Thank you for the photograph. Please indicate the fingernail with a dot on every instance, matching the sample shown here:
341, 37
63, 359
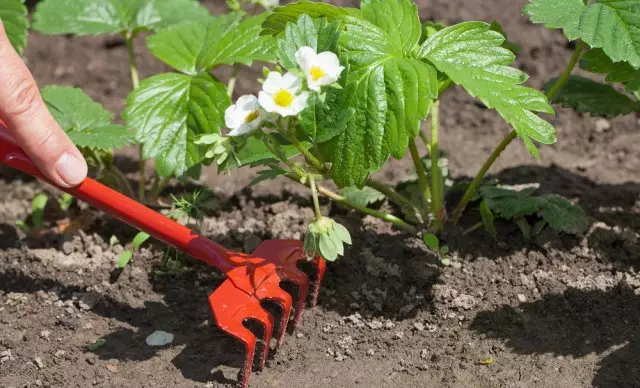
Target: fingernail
71, 169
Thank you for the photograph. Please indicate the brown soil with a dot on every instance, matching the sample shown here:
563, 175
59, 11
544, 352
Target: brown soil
562, 312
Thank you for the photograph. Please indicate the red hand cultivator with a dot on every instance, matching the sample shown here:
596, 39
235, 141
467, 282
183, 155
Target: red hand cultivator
251, 279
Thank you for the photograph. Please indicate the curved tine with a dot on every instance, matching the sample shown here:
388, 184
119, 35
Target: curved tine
261, 315
321, 268
229, 306
283, 299
301, 280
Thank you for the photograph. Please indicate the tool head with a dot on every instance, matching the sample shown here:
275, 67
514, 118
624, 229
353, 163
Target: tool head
257, 278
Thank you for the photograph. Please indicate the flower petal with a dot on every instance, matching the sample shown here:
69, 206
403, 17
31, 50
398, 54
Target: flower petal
231, 117
242, 130
292, 83
267, 103
305, 57
273, 83
248, 102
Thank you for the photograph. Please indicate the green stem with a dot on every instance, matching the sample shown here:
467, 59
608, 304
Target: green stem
422, 179
401, 224
437, 191
232, 82
551, 95
390, 193
314, 194
127, 185
135, 81
564, 77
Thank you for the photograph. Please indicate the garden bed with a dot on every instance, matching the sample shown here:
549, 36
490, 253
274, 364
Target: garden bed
561, 312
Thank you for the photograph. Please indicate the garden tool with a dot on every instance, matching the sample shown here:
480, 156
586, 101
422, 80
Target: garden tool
251, 278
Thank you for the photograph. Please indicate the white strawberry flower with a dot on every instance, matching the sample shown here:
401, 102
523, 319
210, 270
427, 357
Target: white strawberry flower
282, 94
320, 69
245, 116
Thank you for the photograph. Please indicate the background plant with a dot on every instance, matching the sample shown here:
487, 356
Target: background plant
396, 70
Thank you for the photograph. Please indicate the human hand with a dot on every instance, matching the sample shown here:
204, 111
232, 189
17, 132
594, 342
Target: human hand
29, 121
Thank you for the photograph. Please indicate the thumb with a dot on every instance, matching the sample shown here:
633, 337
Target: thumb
29, 121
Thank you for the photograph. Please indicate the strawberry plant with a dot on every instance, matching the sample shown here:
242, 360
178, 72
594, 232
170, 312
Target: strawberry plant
344, 90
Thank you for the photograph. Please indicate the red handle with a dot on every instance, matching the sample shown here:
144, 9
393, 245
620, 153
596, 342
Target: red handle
124, 209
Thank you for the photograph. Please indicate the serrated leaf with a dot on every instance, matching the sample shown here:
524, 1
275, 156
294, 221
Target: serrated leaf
558, 212
588, 96
613, 25
509, 45
563, 14
362, 197
317, 34
321, 121
564, 216
596, 61
389, 91
473, 57
281, 16
170, 111
87, 123
264, 175
194, 47
13, 14
93, 17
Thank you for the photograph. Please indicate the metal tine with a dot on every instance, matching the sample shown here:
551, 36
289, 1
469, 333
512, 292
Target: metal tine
231, 307
284, 300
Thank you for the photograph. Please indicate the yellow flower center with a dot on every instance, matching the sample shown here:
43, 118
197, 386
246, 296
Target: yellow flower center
283, 98
316, 73
252, 116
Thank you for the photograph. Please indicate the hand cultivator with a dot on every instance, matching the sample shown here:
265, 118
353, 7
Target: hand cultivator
251, 279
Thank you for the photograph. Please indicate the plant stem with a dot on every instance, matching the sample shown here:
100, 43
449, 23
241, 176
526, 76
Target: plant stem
135, 81
317, 164
232, 82
401, 224
562, 81
127, 185
437, 192
551, 94
389, 192
422, 179
314, 194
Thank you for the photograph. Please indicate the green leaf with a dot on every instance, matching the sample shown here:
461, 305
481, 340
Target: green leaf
96, 345
612, 25
271, 174
87, 123
362, 197
38, 204
139, 239
170, 111
93, 17
588, 96
319, 35
328, 247
254, 152
509, 45
13, 14
311, 245
281, 16
596, 61
342, 233
194, 47
472, 56
388, 89
124, 259
558, 212
488, 218
322, 121
564, 216
563, 14
432, 241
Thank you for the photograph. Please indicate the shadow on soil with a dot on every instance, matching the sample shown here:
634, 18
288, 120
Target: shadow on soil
575, 323
387, 275
617, 205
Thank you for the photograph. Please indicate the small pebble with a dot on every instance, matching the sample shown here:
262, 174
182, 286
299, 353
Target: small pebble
522, 298
38, 362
